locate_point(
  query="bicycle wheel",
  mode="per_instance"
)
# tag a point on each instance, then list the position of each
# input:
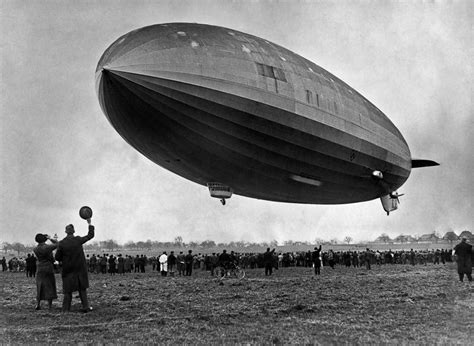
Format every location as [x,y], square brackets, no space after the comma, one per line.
[239,273]
[221,274]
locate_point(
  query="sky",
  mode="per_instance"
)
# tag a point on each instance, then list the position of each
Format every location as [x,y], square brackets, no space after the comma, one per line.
[58,152]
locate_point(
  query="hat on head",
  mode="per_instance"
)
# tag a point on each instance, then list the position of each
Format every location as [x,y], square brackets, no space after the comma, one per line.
[40,238]
[70,229]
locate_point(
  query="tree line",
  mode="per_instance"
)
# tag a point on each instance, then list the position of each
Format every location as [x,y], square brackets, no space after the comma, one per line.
[178,242]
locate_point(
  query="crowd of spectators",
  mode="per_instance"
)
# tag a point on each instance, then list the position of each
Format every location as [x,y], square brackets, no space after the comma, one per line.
[184,264]
[127,264]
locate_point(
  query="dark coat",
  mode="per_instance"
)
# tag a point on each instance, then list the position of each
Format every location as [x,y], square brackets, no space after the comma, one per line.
[45,280]
[463,252]
[172,260]
[74,266]
[316,256]
[268,257]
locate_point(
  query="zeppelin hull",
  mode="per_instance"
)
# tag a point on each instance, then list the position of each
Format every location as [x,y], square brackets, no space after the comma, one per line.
[262,141]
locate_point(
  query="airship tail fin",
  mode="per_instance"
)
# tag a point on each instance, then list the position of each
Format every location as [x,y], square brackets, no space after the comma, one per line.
[415,163]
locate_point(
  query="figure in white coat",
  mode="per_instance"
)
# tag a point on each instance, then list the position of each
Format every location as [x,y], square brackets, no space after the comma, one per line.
[163,264]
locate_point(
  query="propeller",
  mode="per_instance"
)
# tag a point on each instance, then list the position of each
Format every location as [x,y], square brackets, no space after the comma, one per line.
[395,195]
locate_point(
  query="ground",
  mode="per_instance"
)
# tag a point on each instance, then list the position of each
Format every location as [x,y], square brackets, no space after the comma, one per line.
[397,304]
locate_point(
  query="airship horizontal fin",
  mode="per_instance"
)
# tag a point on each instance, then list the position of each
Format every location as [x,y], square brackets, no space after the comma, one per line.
[423,163]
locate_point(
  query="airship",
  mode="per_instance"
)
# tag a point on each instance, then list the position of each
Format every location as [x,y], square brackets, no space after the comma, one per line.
[239,114]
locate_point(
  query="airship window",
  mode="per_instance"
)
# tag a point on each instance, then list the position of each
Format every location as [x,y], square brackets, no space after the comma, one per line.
[265,70]
[260,69]
[317,100]
[279,74]
[270,71]
[309,96]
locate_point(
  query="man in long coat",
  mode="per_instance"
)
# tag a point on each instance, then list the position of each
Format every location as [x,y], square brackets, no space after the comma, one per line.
[316,258]
[463,252]
[268,261]
[74,268]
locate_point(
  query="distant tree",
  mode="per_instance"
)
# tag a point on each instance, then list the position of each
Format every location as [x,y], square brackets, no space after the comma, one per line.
[208,244]
[140,245]
[319,241]
[347,240]
[6,246]
[193,244]
[94,246]
[239,244]
[18,247]
[148,244]
[29,248]
[333,241]
[130,245]
[384,238]
[273,244]
[178,241]
[110,245]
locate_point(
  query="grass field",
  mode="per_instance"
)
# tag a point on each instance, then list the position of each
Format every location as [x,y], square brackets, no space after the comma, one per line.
[388,304]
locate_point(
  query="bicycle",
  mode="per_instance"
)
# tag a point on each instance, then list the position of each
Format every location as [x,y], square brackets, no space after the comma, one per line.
[231,271]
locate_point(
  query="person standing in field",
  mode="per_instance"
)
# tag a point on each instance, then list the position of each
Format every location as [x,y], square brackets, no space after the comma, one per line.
[171,263]
[463,252]
[331,258]
[163,264]
[4,264]
[142,263]
[120,264]
[112,265]
[368,258]
[188,263]
[180,264]
[268,261]
[45,280]
[74,268]
[316,258]
[30,264]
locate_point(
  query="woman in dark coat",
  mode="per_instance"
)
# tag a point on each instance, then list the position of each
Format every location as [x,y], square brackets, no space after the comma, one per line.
[112,265]
[121,264]
[45,280]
